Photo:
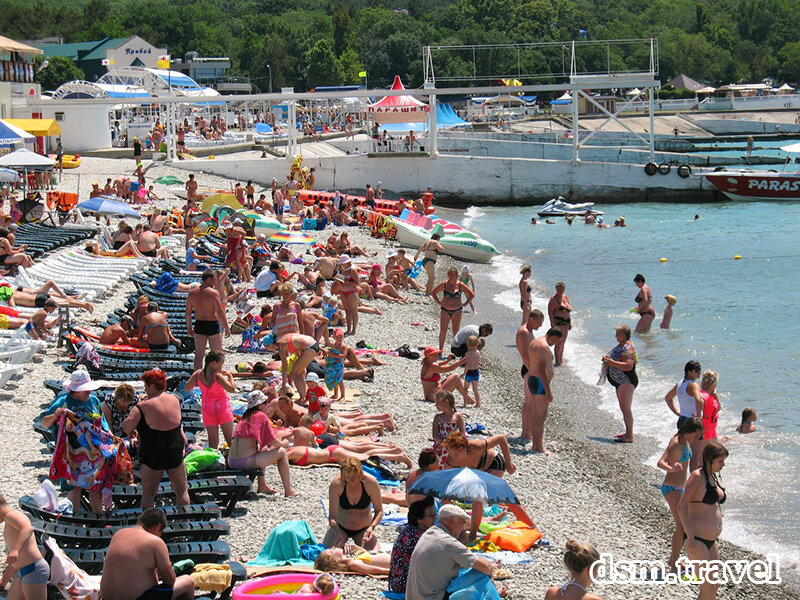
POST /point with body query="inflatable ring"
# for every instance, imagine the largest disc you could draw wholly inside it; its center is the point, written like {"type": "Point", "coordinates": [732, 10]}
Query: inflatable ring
{"type": "Point", "coordinates": [278, 586]}
{"type": "Point", "coordinates": [650, 168]}
{"type": "Point", "coordinates": [684, 171]}
{"type": "Point", "coordinates": [664, 168]}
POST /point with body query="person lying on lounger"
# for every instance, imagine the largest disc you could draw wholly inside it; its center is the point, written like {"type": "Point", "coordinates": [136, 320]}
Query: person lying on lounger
{"type": "Point", "coordinates": [127, 250]}
{"type": "Point", "coordinates": [35, 298]}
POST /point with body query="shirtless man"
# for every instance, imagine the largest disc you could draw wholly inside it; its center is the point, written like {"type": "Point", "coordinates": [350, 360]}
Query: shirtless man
{"type": "Point", "coordinates": [286, 411]}
{"type": "Point", "coordinates": [540, 373]}
{"type": "Point", "coordinates": [137, 564]}
{"type": "Point", "coordinates": [189, 212]}
{"type": "Point", "coordinates": [250, 195]}
{"type": "Point", "coordinates": [191, 187]}
{"type": "Point", "coordinates": [523, 341]}
{"type": "Point", "coordinates": [41, 326]}
{"type": "Point", "coordinates": [312, 323]}
{"type": "Point", "coordinates": [327, 266]}
{"type": "Point", "coordinates": [29, 571]}
{"type": "Point", "coordinates": [149, 244]}
{"type": "Point", "coordinates": [118, 333]}
{"type": "Point", "coordinates": [158, 222]}
{"type": "Point", "coordinates": [154, 329]}
{"type": "Point", "coordinates": [205, 302]}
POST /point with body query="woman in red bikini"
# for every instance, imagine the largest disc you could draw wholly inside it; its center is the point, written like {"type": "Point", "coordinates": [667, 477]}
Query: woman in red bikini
{"type": "Point", "coordinates": [431, 374]}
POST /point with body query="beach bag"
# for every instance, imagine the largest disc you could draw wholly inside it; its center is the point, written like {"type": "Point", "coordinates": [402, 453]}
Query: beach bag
{"type": "Point", "coordinates": [202, 460]}
{"type": "Point", "coordinates": [517, 537]}
{"type": "Point", "coordinates": [240, 324]}
{"type": "Point", "coordinates": [166, 283]}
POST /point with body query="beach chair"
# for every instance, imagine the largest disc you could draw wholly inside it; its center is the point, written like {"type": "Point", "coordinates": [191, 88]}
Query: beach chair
{"type": "Point", "coordinates": [7, 372]}
{"type": "Point", "coordinates": [88, 537]}
{"type": "Point", "coordinates": [215, 552]}
{"type": "Point", "coordinates": [206, 511]}
{"type": "Point", "coordinates": [226, 491]}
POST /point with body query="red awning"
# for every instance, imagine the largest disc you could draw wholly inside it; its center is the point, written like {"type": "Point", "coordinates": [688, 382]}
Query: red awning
{"type": "Point", "coordinates": [398, 109]}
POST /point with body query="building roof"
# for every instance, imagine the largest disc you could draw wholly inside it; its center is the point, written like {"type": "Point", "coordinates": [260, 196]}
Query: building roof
{"type": "Point", "coordinates": [684, 82]}
{"type": "Point", "coordinates": [83, 50]}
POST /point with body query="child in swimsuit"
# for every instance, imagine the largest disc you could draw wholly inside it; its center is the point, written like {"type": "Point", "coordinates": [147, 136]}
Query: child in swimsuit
{"type": "Point", "coordinates": [578, 559]}
{"type": "Point", "coordinates": [467, 279]}
{"type": "Point", "coordinates": [671, 301]}
{"type": "Point", "coordinates": [472, 371]}
{"type": "Point", "coordinates": [749, 417]}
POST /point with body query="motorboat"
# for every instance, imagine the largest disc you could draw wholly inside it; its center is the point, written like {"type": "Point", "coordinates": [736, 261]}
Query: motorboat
{"type": "Point", "coordinates": [756, 185]}
{"type": "Point", "coordinates": [559, 207]}
{"type": "Point", "coordinates": [413, 230]}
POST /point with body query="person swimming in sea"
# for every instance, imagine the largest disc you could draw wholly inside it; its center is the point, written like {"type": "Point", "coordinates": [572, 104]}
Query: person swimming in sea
{"type": "Point", "coordinates": [749, 417]}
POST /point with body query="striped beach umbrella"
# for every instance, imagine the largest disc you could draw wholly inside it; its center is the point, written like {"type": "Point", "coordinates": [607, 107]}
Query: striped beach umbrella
{"type": "Point", "coordinates": [291, 237]}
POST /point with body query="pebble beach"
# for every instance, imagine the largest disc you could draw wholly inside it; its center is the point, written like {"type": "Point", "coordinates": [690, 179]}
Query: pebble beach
{"type": "Point", "coordinates": [590, 489]}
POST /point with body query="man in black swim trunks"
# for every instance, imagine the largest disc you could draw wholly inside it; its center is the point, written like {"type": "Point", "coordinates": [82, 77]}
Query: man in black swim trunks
{"type": "Point", "coordinates": [128, 572]}
{"type": "Point", "coordinates": [205, 302]}
{"type": "Point", "coordinates": [540, 365]}
{"type": "Point", "coordinates": [523, 340]}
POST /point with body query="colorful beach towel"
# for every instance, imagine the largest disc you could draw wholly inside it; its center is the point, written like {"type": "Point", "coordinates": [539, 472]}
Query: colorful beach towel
{"type": "Point", "coordinates": [283, 546]}
{"type": "Point", "coordinates": [89, 457]}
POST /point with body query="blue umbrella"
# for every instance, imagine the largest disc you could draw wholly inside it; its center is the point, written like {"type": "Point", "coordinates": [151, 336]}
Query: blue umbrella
{"type": "Point", "coordinates": [8, 176]}
{"type": "Point", "coordinates": [108, 205]}
{"type": "Point", "coordinates": [464, 485]}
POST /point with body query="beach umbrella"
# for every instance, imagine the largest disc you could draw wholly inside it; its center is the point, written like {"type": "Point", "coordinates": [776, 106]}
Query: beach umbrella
{"type": "Point", "coordinates": [221, 199]}
{"type": "Point", "coordinates": [292, 237]}
{"type": "Point", "coordinates": [108, 205]}
{"type": "Point", "coordinates": [8, 176]}
{"type": "Point", "coordinates": [464, 485]}
{"type": "Point", "coordinates": [168, 180]}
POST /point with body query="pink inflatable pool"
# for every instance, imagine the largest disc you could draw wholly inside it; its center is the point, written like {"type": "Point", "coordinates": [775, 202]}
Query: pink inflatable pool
{"type": "Point", "coordinates": [282, 585]}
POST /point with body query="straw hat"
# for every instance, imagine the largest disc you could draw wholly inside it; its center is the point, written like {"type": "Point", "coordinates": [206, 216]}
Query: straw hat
{"type": "Point", "coordinates": [80, 381]}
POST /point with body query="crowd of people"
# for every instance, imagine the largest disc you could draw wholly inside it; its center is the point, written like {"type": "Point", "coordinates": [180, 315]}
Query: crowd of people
{"type": "Point", "coordinates": [290, 418]}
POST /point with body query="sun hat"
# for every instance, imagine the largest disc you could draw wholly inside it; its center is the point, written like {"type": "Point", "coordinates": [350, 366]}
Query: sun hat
{"type": "Point", "coordinates": [46, 497]}
{"type": "Point", "coordinates": [80, 381]}
{"type": "Point", "coordinates": [255, 398]}
{"type": "Point", "coordinates": [312, 377]}
{"type": "Point", "coordinates": [262, 236]}
{"type": "Point", "coordinates": [391, 253]}
{"type": "Point", "coordinates": [324, 401]}
{"type": "Point", "coordinates": [431, 350]}
{"type": "Point", "coordinates": [465, 269]}
{"type": "Point", "coordinates": [237, 220]}
{"type": "Point", "coordinates": [227, 225]}
{"type": "Point", "coordinates": [338, 332]}
{"type": "Point", "coordinates": [344, 259]}
{"type": "Point", "coordinates": [376, 267]}
{"type": "Point", "coordinates": [451, 511]}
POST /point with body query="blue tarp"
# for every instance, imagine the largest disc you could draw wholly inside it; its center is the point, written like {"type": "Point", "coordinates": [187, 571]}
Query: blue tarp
{"type": "Point", "coordinates": [263, 128]}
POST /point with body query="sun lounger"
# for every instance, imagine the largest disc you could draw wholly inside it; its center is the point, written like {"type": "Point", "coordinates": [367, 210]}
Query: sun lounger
{"type": "Point", "coordinates": [7, 372]}
{"type": "Point", "coordinates": [227, 491]}
{"type": "Point", "coordinates": [215, 552]}
{"type": "Point", "coordinates": [122, 516]}
{"type": "Point", "coordinates": [87, 537]}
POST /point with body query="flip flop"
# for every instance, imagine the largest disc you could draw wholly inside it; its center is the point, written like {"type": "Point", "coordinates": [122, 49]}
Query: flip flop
{"type": "Point", "coordinates": [623, 440]}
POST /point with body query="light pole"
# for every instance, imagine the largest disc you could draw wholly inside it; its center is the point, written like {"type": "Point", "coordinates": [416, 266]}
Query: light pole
{"type": "Point", "coordinates": [270, 78]}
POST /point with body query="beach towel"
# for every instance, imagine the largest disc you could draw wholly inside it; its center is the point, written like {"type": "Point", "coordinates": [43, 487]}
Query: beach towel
{"type": "Point", "coordinates": [166, 283]}
{"type": "Point", "coordinates": [89, 457]}
{"type": "Point", "coordinates": [71, 581]}
{"type": "Point", "coordinates": [88, 355]}
{"type": "Point", "coordinates": [311, 551]}
{"type": "Point", "coordinates": [212, 578]}
{"type": "Point", "coordinates": [475, 429]}
{"type": "Point", "coordinates": [283, 546]}
{"type": "Point", "coordinates": [379, 475]}
{"type": "Point", "coordinates": [393, 595]}
{"type": "Point", "coordinates": [203, 460]}
{"type": "Point", "coordinates": [472, 585]}
{"type": "Point", "coordinates": [507, 557]}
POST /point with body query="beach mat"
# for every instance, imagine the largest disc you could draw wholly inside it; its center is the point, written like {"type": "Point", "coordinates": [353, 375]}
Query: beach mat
{"type": "Point", "coordinates": [352, 400]}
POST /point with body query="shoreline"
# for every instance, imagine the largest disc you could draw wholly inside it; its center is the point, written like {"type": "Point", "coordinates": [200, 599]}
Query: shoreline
{"type": "Point", "coordinates": [586, 490]}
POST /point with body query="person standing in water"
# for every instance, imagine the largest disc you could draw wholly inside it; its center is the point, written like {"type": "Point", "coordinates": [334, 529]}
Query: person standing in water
{"type": "Point", "coordinates": [559, 310]}
{"type": "Point", "coordinates": [525, 301]}
{"type": "Point", "coordinates": [540, 363]}
{"type": "Point", "coordinates": [523, 340]}
{"type": "Point", "coordinates": [645, 309]}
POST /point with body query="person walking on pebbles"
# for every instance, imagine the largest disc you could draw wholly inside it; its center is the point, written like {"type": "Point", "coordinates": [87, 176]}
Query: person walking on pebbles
{"type": "Point", "coordinates": [540, 363]}
{"type": "Point", "coordinates": [523, 340]}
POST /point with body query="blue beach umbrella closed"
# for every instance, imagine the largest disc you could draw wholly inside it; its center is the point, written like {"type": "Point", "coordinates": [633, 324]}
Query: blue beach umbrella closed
{"type": "Point", "coordinates": [108, 205]}
{"type": "Point", "coordinates": [464, 485]}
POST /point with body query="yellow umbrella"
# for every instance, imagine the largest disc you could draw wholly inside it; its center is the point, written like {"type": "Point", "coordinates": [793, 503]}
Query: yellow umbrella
{"type": "Point", "coordinates": [221, 199]}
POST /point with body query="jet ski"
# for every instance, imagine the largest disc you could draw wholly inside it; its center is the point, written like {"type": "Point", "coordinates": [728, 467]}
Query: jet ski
{"type": "Point", "coordinates": [559, 207]}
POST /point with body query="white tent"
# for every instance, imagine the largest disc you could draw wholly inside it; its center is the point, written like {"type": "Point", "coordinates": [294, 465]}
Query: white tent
{"type": "Point", "coordinates": [26, 159]}
{"type": "Point", "coordinates": [634, 92]}
{"type": "Point", "coordinates": [504, 99]}
{"type": "Point", "coordinates": [706, 90]}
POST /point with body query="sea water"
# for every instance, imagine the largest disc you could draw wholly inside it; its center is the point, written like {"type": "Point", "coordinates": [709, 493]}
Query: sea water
{"type": "Point", "coordinates": [740, 318]}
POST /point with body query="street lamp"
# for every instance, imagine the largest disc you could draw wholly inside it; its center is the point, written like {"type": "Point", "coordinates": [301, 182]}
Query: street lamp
{"type": "Point", "coordinates": [270, 78]}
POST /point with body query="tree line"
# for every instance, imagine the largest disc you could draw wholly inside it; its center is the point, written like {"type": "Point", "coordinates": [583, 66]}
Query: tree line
{"type": "Point", "coordinates": [309, 43]}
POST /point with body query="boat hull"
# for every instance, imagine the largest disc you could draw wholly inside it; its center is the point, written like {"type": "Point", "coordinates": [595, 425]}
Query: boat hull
{"type": "Point", "coordinates": [463, 246]}
{"type": "Point", "coordinates": [743, 185]}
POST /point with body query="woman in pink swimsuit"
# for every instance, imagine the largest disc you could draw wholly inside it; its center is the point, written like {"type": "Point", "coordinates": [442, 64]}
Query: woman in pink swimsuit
{"type": "Point", "coordinates": [215, 385]}
{"type": "Point", "coordinates": [287, 316]}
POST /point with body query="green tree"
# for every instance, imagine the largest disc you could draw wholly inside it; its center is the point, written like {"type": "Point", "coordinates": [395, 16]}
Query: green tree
{"type": "Point", "coordinates": [321, 65]}
{"type": "Point", "coordinates": [349, 67]}
{"type": "Point", "coordinates": [789, 57]}
{"type": "Point", "coordinates": [59, 70]}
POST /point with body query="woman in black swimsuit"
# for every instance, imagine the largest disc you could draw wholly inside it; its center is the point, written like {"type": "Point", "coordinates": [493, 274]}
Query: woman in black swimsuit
{"type": "Point", "coordinates": [355, 505]}
{"type": "Point", "coordinates": [451, 303]}
{"type": "Point", "coordinates": [559, 310]}
{"type": "Point", "coordinates": [701, 513]}
{"type": "Point", "coordinates": [491, 455]}
{"type": "Point", "coordinates": [157, 419]}
{"type": "Point", "coordinates": [644, 308]}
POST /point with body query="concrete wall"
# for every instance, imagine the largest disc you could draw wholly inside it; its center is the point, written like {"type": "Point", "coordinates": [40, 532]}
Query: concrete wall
{"type": "Point", "coordinates": [742, 127]}
{"type": "Point", "coordinates": [473, 179]}
{"type": "Point", "coordinates": [83, 127]}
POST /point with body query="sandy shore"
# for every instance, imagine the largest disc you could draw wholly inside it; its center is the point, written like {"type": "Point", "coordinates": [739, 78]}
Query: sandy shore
{"type": "Point", "coordinates": [590, 489]}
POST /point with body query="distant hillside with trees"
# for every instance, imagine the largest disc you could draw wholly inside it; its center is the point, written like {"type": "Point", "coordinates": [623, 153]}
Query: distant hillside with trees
{"type": "Point", "coordinates": [322, 42]}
